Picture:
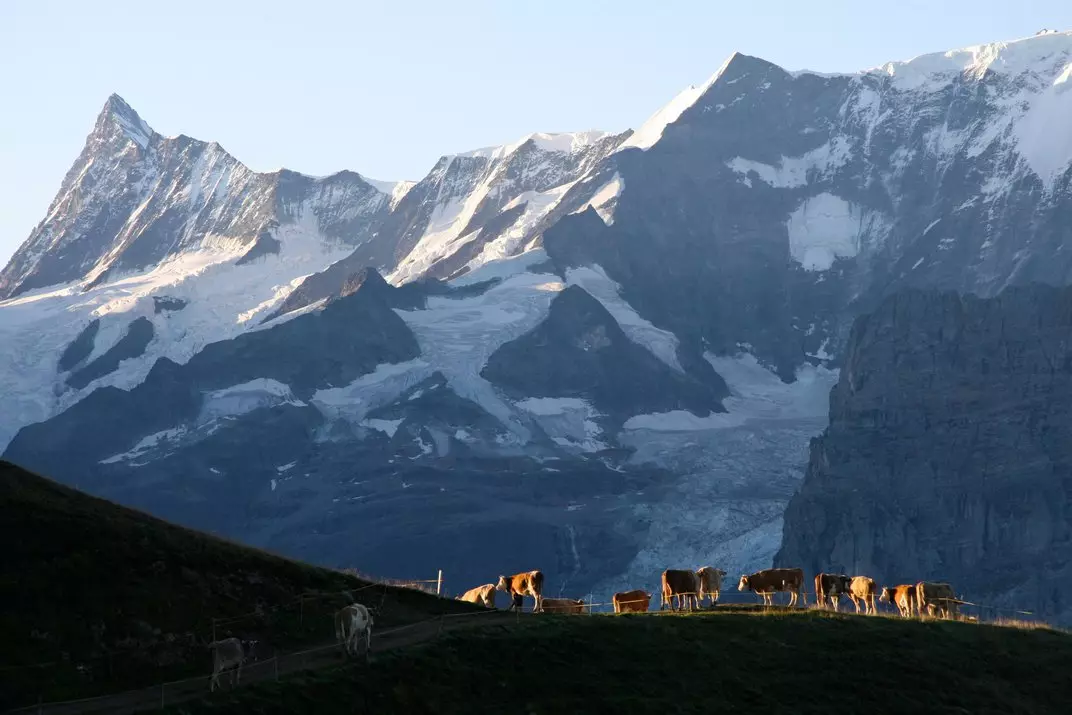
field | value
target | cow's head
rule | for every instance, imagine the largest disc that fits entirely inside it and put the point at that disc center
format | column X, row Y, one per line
column 743, row 585
column 503, row 585
column 845, row 582
column 721, row 573
column 886, row 595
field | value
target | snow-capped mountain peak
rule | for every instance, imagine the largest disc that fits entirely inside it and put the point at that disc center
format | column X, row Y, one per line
column 1040, row 53
column 120, row 115
column 651, row 131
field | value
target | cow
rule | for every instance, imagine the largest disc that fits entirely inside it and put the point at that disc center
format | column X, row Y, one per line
column 679, row 587
column 529, row 583
column 562, row 605
column 903, row 596
column 832, row 586
column 710, row 583
column 351, row 622
column 636, row 601
column 228, row 654
column 937, row 598
column 766, row 582
column 862, row 588
column 481, row 595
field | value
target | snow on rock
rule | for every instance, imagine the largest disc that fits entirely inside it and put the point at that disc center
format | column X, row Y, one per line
column 826, row 227
column 1042, row 134
column 736, row 472
column 792, row 172
column 605, row 199
column 147, row 444
column 662, row 343
column 457, row 335
column 651, row 131
column 388, row 427
column 552, row 405
column 246, row 397
column 537, row 205
column 352, row 402
column 756, row 394
column 547, row 141
column 930, row 71
column 223, row 300
column 568, row 421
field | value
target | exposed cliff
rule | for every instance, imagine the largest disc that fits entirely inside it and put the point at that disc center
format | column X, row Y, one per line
column 948, row 453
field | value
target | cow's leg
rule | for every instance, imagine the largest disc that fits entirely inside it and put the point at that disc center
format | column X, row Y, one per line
column 368, row 643
column 214, row 681
column 238, row 674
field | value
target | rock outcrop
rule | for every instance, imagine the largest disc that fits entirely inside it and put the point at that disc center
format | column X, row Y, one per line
column 948, row 453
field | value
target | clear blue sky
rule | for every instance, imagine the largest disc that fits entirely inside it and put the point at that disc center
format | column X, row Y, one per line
column 385, row 88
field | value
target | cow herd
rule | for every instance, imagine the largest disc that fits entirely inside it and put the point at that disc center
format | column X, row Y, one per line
column 681, row 589
column 687, row 589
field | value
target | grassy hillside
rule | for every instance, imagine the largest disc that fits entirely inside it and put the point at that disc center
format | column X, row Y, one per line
column 97, row 598
column 731, row 661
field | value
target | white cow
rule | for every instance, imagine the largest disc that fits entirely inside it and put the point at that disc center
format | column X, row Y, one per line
column 710, row 583
column 350, row 622
column 227, row 654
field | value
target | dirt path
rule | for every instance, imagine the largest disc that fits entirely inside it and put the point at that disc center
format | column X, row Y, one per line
column 325, row 655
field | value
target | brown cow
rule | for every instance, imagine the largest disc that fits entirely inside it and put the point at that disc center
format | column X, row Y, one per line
column 679, row 587
column 862, row 588
column 832, row 586
column 481, row 595
column 936, row 598
column 636, row 601
column 766, row 582
column 903, row 596
column 562, row 605
column 529, row 583
column 710, row 583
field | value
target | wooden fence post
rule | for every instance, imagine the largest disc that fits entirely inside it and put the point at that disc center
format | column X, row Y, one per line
column 213, row 629
column 439, row 584
column 161, row 696
column 301, row 610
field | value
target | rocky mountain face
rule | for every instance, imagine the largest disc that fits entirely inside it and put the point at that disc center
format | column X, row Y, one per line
column 599, row 354
column 134, row 199
column 947, row 456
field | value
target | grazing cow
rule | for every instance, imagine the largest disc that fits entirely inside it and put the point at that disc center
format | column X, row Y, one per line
column 832, row 586
column 351, row 622
column 227, row 654
column 679, row 587
column 529, row 583
column 936, row 598
column 766, row 582
column 481, row 595
column 903, row 596
column 636, row 601
column 710, row 583
column 562, row 605
column 862, row 588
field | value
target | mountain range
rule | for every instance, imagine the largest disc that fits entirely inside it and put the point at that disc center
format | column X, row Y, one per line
column 596, row 354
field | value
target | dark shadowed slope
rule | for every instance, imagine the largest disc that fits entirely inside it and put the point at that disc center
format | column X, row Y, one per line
column 802, row 662
column 99, row 598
